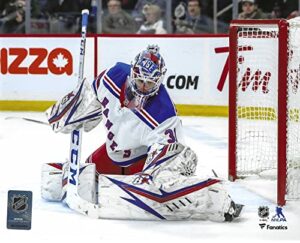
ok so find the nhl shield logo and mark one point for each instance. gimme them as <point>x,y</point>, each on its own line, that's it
<point>263,211</point>
<point>19,203</point>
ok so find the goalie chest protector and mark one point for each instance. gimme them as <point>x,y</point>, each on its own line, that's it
<point>131,132</point>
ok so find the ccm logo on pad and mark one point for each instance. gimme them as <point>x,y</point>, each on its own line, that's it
<point>35,61</point>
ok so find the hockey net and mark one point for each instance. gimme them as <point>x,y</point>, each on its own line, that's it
<point>264,103</point>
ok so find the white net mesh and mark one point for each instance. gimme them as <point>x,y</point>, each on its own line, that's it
<point>257,99</point>
<point>293,143</point>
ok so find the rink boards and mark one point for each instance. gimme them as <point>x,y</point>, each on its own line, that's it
<point>37,70</point>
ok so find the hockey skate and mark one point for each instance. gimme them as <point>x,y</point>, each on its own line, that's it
<point>234,211</point>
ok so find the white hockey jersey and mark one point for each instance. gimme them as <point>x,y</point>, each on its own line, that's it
<point>131,132</point>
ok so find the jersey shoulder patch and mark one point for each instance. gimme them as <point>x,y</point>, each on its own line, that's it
<point>158,109</point>
<point>115,77</point>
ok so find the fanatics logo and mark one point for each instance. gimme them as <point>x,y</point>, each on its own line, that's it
<point>262,225</point>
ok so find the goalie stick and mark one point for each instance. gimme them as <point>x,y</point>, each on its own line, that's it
<point>26,119</point>
<point>73,199</point>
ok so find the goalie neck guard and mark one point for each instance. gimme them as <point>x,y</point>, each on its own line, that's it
<point>146,75</point>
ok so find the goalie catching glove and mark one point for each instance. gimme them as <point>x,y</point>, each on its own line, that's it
<point>167,163</point>
<point>78,108</point>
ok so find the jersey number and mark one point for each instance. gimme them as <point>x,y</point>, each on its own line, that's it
<point>171,133</point>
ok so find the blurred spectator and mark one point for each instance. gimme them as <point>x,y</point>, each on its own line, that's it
<point>117,20</point>
<point>293,14</point>
<point>267,6</point>
<point>291,8</point>
<point>67,6</point>
<point>127,5</point>
<point>13,15</point>
<point>285,9</point>
<point>43,5</point>
<point>286,6</point>
<point>153,23</point>
<point>16,9</point>
<point>137,13</point>
<point>192,21</point>
<point>277,12</point>
<point>2,5</point>
<point>251,11</point>
<point>65,15</point>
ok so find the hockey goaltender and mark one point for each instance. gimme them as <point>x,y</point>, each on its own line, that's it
<point>144,170</point>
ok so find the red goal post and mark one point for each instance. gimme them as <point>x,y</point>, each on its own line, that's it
<point>264,119</point>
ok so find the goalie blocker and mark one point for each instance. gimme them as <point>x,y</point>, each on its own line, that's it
<point>167,188</point>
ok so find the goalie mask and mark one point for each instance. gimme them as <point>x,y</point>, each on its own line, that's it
<point>146,75</point>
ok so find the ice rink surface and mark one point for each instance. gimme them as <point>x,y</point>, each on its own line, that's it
<point>25,146</point>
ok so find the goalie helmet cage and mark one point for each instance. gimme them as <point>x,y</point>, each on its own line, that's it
<point>264,102</point>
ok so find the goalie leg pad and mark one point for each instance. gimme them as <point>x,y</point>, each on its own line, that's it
<point>51,187</point>
<point>54,182</point>
<point>137,197</point>
<point>219,203</point>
